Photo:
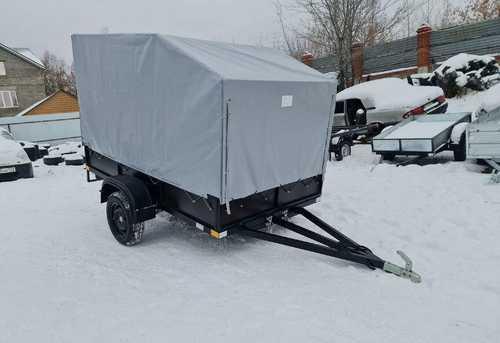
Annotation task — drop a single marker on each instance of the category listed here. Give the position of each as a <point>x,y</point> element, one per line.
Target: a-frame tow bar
<point>339,246</point>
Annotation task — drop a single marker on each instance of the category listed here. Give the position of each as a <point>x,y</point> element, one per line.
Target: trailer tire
<point>120,220</point>
<point>32,152</point>
<point>74,162</point>
<point>344,151</point>
<point>52,160</point>
<point>459,150</point>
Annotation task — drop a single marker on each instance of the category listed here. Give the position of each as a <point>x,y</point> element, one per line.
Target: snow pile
<point>65,279</point>
<point>66,148</point>
<point>390,93</point>
<point>462,73</point>
<point>475,101</point>
<point>491,98</point>
<point>11,152</point>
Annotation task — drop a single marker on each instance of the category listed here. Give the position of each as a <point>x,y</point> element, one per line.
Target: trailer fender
<point>457,132</point>
<point>138,194</point>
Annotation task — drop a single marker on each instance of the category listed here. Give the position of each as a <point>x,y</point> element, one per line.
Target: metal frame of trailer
<point>483,140</point>
<point>423,139</point>
<point>145,196</point>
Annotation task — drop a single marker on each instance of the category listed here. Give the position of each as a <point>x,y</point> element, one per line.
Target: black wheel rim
<point>120,222</point>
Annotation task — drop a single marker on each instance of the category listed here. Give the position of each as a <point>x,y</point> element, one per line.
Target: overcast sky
<point>47,25</point>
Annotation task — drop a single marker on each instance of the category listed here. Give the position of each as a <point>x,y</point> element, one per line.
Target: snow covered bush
<point>463,72</point>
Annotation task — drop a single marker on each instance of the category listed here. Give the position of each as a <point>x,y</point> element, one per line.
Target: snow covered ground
<point>65,279</point>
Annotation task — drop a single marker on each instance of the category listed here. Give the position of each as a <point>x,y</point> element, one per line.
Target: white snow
<point>65,279</point>
<point>475,101</point>
<point>11,152</point>
<point>461,61</point>
<point>69,147</point>
<point>457,132</point>
<point>416,129</point>
<point>390,93</point>
<point>390,71</point>
<point>73,157</point>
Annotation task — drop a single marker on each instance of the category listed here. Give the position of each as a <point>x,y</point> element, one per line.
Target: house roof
<point>38,103</point>
<point>20,114</point>
<point>24,54</point>
<point>29,54</point>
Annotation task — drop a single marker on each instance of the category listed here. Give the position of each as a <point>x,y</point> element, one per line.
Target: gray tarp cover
<point>211,118</point>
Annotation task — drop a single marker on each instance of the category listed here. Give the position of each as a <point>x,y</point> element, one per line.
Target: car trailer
<point>343,137</point>
<point>230,138</point>
<point>423,135</point>
<point>483,140</point>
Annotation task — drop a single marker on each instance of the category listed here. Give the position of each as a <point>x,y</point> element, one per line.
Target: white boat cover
<point>211,118</point>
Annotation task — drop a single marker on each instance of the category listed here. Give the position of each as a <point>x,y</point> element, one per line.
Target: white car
<point>386,101</point>
<point>14,162</point>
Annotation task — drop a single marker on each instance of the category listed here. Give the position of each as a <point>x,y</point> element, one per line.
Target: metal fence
<point>43,128</point>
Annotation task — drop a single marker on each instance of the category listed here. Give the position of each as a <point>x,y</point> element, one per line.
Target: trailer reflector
<point>218,235</point>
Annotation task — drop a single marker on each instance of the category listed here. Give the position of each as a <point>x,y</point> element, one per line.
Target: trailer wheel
<point>344,151</point>
<point>459,150</point>
<point>52,160</point>
<point>119,213</point>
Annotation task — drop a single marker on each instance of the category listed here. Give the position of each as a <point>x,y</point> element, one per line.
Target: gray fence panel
<point>43,128</point>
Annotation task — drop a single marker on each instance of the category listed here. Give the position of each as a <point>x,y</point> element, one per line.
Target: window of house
<point>2,69</point>
<point>8,99</point>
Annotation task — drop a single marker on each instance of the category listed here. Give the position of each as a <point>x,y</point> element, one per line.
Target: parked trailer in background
<point>228,137</point>
<point>483,139</point>
<point>424,135</point>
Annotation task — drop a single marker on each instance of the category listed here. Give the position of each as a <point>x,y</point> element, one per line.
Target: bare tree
<point>475,11</point>
<point>58,75</point>
<point>292,41</point>
<point>335,25</point>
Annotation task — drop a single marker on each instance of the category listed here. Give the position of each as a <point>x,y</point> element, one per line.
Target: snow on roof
<point>36,62</point>
<point>390,93</point>
<point>29,54</point>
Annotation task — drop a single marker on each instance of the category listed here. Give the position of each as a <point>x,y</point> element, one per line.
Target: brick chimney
<point>424,62</point>
<point>307,58</point>
<point>357,62</point>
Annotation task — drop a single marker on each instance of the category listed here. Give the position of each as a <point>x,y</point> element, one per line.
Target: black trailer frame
<point>145,196</point>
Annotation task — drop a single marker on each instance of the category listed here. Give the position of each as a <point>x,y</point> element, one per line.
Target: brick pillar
<point>424,62</point>
<point>307,58</point>
<point>357,62</point>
